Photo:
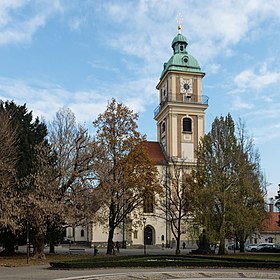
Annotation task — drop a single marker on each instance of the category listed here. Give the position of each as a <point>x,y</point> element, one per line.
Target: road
<point>44,273</point>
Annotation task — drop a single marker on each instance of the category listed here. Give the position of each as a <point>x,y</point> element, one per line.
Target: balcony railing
<point>203,100</point>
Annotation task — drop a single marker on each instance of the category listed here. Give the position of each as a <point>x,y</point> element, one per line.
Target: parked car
<point>257,247</point>
<point>248,247</point>
<point>269,248</point>
<point>233,246</point>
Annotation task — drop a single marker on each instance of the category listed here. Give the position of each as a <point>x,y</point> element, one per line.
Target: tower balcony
<point>201,100</point>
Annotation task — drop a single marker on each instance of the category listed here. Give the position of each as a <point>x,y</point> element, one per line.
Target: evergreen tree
<point>29,134</point>
<point>10,209</point>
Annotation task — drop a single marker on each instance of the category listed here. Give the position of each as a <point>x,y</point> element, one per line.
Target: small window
<point>162,238</point>
<point>181,48</point>
<point>149,203</point>
<point>187,125</point>
<point>135,234</point>
<point>163,127</point>
<point>82,233</point>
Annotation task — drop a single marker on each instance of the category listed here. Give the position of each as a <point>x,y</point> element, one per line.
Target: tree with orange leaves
<point>124,170</point>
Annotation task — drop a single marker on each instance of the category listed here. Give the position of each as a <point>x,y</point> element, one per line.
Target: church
<point>180,119</point>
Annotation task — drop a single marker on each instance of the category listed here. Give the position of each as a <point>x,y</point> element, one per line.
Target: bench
<point>77,251</point>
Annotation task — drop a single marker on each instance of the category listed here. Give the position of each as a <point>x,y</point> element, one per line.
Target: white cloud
<point>213,68</point>
<point>20,19</point>
<point>212,29</point>
<point>267,133</point>
<point>45,99</point>
<point>5,7</point>
<point>86,112</point>
<point>241,104</point>
<point>101,66</point>
<point>248,79</point>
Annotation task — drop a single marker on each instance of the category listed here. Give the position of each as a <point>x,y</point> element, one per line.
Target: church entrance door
<point>148,235</point>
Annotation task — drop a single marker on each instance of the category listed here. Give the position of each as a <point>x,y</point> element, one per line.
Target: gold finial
<point>179,21</point>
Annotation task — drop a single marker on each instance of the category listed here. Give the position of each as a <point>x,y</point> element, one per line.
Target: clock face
<point>186,85</point>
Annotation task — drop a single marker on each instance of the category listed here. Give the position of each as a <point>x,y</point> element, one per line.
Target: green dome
<point>179,38</point>
<point>181,60</point>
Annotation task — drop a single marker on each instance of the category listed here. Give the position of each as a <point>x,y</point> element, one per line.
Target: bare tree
<point>59,189</point>
<point>75,153</point>
<point>176,203</point>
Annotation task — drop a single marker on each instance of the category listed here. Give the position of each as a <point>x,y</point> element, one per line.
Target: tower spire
<point>179,21</point>
<point>179,28</point>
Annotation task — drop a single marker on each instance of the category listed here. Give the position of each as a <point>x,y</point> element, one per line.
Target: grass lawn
<point>21,260</point>
<point>239,260</point>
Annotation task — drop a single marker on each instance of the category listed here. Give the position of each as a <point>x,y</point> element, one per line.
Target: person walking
<point>118,246</point>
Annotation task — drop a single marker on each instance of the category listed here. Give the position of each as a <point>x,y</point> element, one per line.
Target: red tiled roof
<point>269,224</point>
<point>155,152</point>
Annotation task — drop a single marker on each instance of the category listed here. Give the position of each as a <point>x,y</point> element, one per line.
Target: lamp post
<point>28,209</point>
<point>277,204</point>
<point>144,222</point>
<point>27,242</point>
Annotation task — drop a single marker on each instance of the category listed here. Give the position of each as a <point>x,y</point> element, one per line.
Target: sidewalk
<point>150,250</point>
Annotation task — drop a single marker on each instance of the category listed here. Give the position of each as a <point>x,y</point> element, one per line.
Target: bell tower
<point>180,113</point>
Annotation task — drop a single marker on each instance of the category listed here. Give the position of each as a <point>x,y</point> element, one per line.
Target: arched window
<point>82,233</point>
<point>149,203</point>
<point>162,127</point>
<point>187,125</point>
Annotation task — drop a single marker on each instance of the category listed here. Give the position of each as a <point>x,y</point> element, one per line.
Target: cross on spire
<point>179,19</point>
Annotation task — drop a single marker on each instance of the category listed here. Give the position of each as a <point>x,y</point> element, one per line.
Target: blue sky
<point>81,53</point>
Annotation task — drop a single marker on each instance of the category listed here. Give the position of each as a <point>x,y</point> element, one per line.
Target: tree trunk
<point>178,252</point>
<point>110,245</point>
<point>242,244</point>
<point>52,251</point>
<point>39,245</point>
<point>8,239</point>
<point>178,239</point>
<point>9,249</point>
<point>221,250</point>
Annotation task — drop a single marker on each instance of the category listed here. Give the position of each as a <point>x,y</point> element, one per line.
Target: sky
<point>81,53</point>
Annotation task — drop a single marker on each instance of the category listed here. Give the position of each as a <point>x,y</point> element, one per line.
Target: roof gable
<point>155,152</point>
<point>270,222</point>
